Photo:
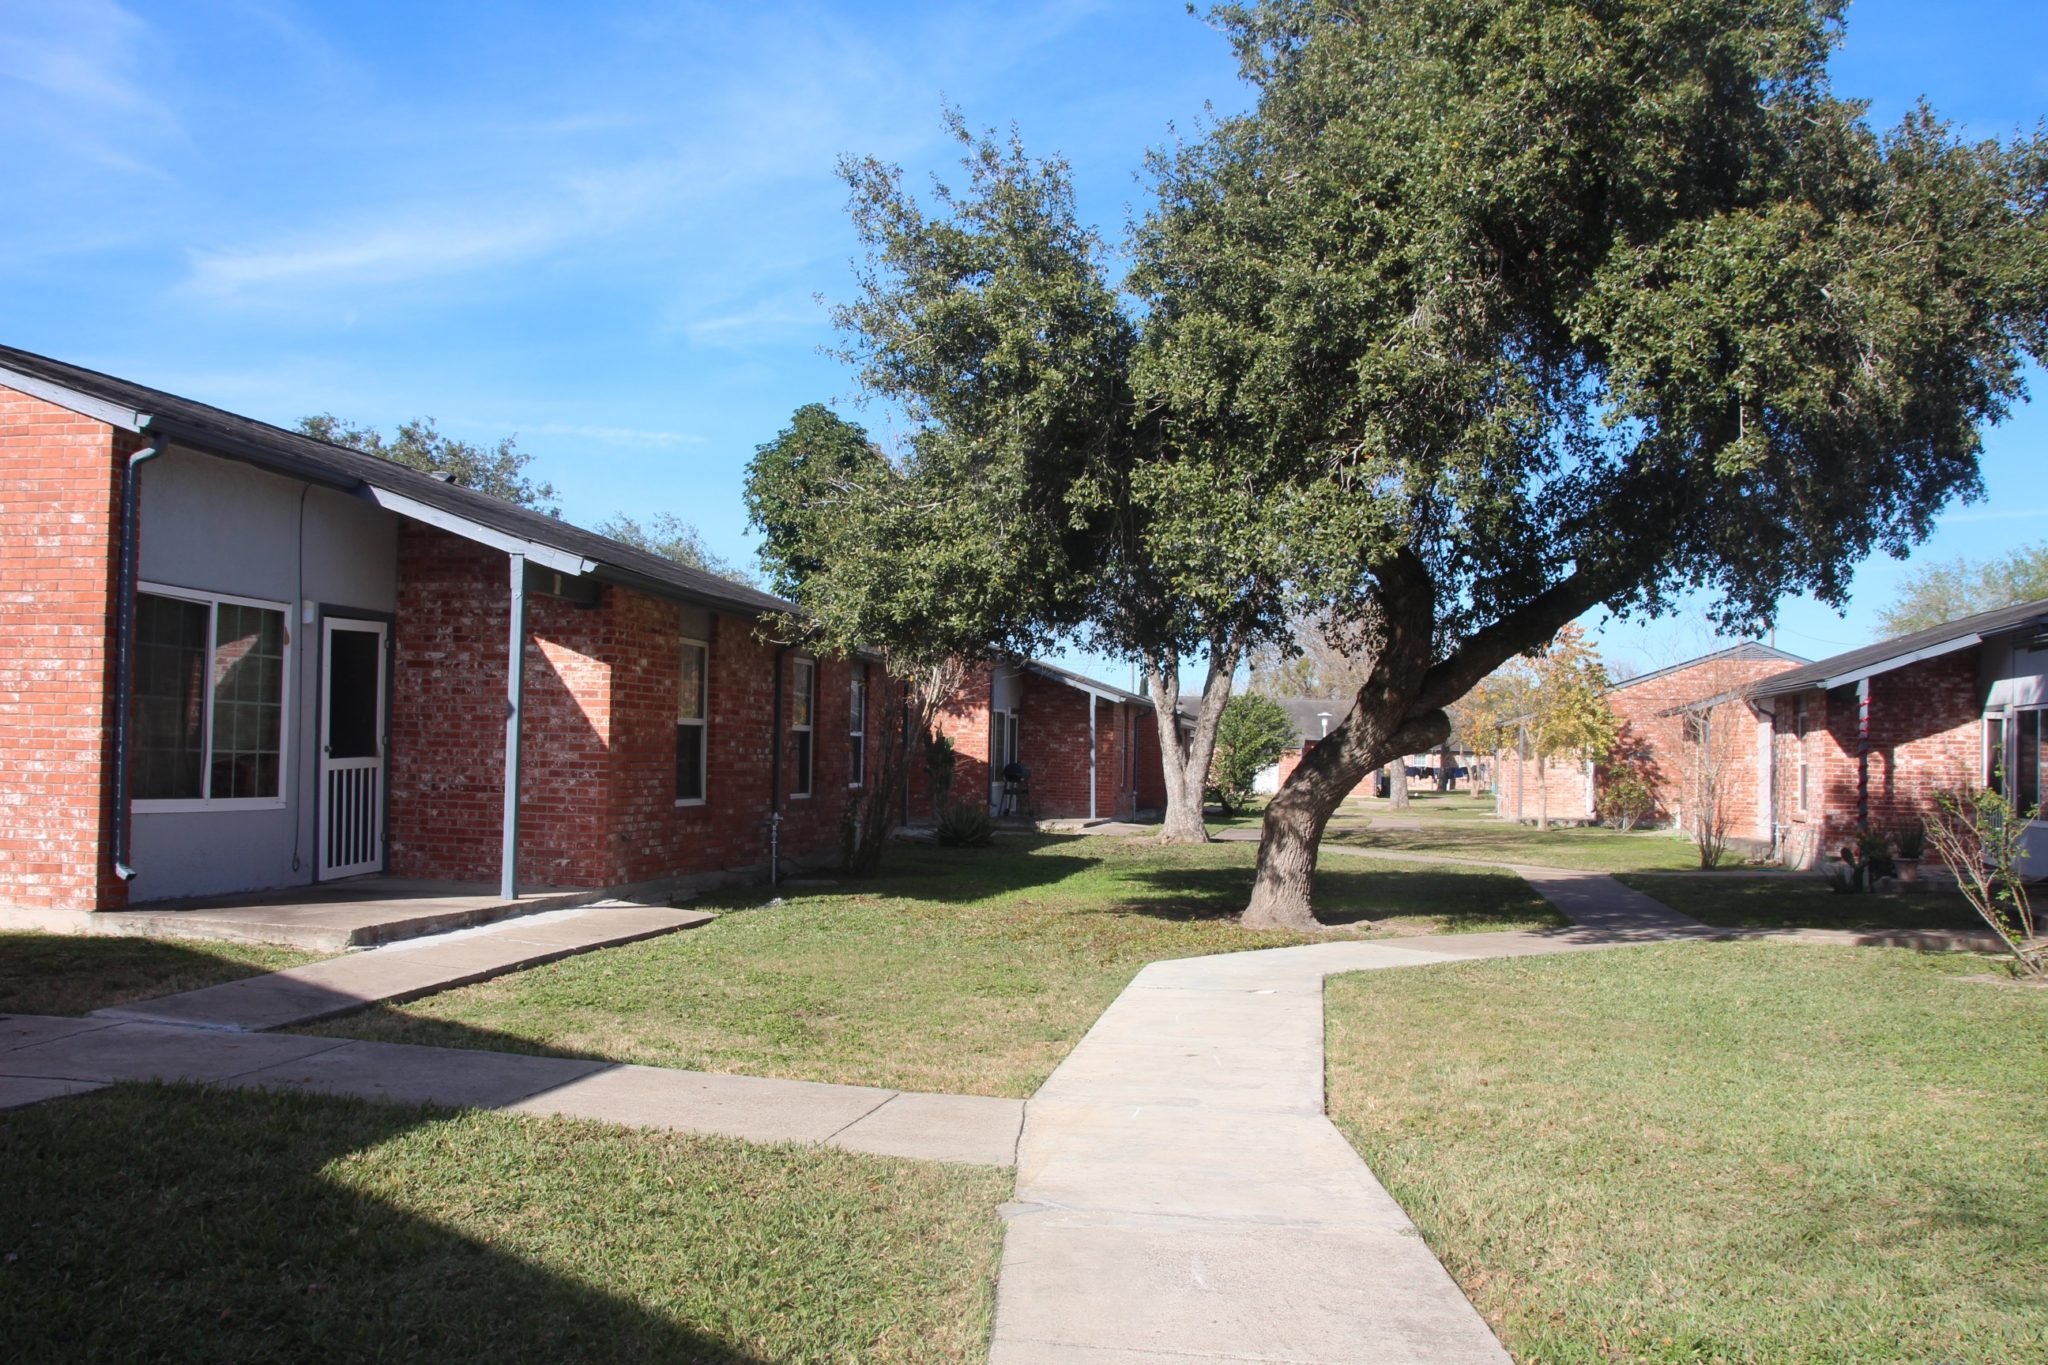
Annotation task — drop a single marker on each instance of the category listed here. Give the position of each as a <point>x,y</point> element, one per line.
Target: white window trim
<point>703,723</point>
<point>190,805</point>
<point>2012,756</point>
<point>857,718</point>
<point>810,776</point>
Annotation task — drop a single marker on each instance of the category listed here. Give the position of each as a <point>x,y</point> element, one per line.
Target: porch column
<point>1094,753</point>
<point>515,688</point>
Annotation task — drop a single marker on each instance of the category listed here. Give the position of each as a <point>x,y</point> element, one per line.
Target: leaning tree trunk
<point>1186,760</point>
<point>1283,891</point>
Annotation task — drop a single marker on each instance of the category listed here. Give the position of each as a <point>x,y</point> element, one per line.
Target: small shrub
<point>1910,840</point>
<point>965,824</point>
<point>1626,800</point>
<point>1979,836</point>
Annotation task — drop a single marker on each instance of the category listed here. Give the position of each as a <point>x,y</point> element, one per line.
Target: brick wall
<point>1151,766</point>
<point>1926,734</point>
<point>597,768</point>
<point>964,719</point>
<point>60,491</point>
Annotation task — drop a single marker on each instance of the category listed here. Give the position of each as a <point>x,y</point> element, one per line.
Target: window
<point>1994,753</point>
<point>804,676</point>
<point>692,718</point>
<point>1799,744</point>
<point>857,725</point>
<point>208,706</point>
<point>2029,732</point>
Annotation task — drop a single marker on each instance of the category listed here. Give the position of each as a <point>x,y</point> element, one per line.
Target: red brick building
<point>1091,751</point>
<point>1866,738</point>
<point>1681,753</point>
<point>234,658</point>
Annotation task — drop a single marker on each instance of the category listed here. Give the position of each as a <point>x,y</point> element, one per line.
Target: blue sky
<point>605,228</point>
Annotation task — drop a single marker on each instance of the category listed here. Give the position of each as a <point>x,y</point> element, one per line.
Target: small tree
<point>1569,715</point>
<point>1978,836</point>
<point>669,536</point>
<point>873,566</point>
<point>1249,739</point>
<point>1709,815</point>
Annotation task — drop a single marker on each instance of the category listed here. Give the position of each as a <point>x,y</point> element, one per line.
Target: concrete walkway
<point>407,970</point>
<point>42,1058</point>
<point>1181,1194</point>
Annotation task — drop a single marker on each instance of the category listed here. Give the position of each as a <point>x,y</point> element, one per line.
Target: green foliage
<point>1625,800</point>
<point>1586,305</point>
<point>1936,594</point>
<point>1980,836</point>
<point>669,536</point>
<point>1910,839</point>
<point>965,824</point>
<point>1569,716</point>
<point>939,761</point>
<point>498,470</point>
<point>1249,738</point>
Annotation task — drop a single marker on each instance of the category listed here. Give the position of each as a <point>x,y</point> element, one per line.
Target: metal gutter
<point>124,642</point>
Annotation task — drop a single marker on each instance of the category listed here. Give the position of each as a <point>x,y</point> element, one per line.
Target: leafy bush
<point>1980,837</point>
<point>1626,800</point>
<point>1250,736</point>
<point>1911,840</point>
<point>939,759</point>
<point>965,824</point>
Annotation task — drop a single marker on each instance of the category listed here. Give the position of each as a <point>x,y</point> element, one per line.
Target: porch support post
<point>515,689</point>
<point>1094,753</point>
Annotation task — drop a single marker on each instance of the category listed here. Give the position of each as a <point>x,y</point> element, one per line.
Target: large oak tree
<point>1542,306</point>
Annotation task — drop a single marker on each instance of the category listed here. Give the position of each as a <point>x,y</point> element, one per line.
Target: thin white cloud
<point>635,436</point>
<point>372,256</point>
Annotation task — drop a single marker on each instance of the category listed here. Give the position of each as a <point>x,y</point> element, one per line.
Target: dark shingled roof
<point>228,434</point>
<point>1886,655</point>
<point>1745,652</point>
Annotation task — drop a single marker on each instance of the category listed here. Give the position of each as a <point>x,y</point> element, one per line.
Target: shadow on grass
<point>932,872</point>
<point>1460,901</point>
<point>171,1223</point>
<point>79,973</point>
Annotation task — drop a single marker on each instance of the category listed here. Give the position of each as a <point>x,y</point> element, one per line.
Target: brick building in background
<point>320,674</point>
<point>1658,738</point>
<point>1091,750</point>
<point>1868,737</point>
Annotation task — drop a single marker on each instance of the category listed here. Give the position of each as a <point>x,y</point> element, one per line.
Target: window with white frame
<point>857,725</point>
<point>693,722</point>
<point>209,701</point>
<point>1994,753</point>
<point>1799,748</point>
<point>802,708</point>
<point>2029,735</point>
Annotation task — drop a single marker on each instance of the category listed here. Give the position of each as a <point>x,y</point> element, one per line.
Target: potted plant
<point>1910,840</point>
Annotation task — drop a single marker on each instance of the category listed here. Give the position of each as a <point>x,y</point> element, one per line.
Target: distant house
<point>1866,738</point>
<point>234,658</point>
<point>1679,752</point>
<point>1090,749</point>
<point>1312,719</point>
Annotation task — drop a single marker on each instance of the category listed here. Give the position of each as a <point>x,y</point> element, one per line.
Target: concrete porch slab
<point>405,971</point>
<point>334,916</point>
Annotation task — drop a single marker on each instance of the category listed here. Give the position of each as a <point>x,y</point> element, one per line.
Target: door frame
<point>386,626</point>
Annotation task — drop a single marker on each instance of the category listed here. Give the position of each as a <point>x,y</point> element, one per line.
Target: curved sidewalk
<point>1181,1194</point>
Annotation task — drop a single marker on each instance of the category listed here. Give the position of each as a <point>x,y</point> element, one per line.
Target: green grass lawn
<point>79,973</point>
<point>961,970</point>
<point>175,1224</point>
<point>1715,1152</point>
<point>1735,901</point>
<point>1459,828</point>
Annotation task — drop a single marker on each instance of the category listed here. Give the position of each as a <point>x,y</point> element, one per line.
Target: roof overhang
<point>561,561</point>
<point>99,409</point>
<point>1897,661</point>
